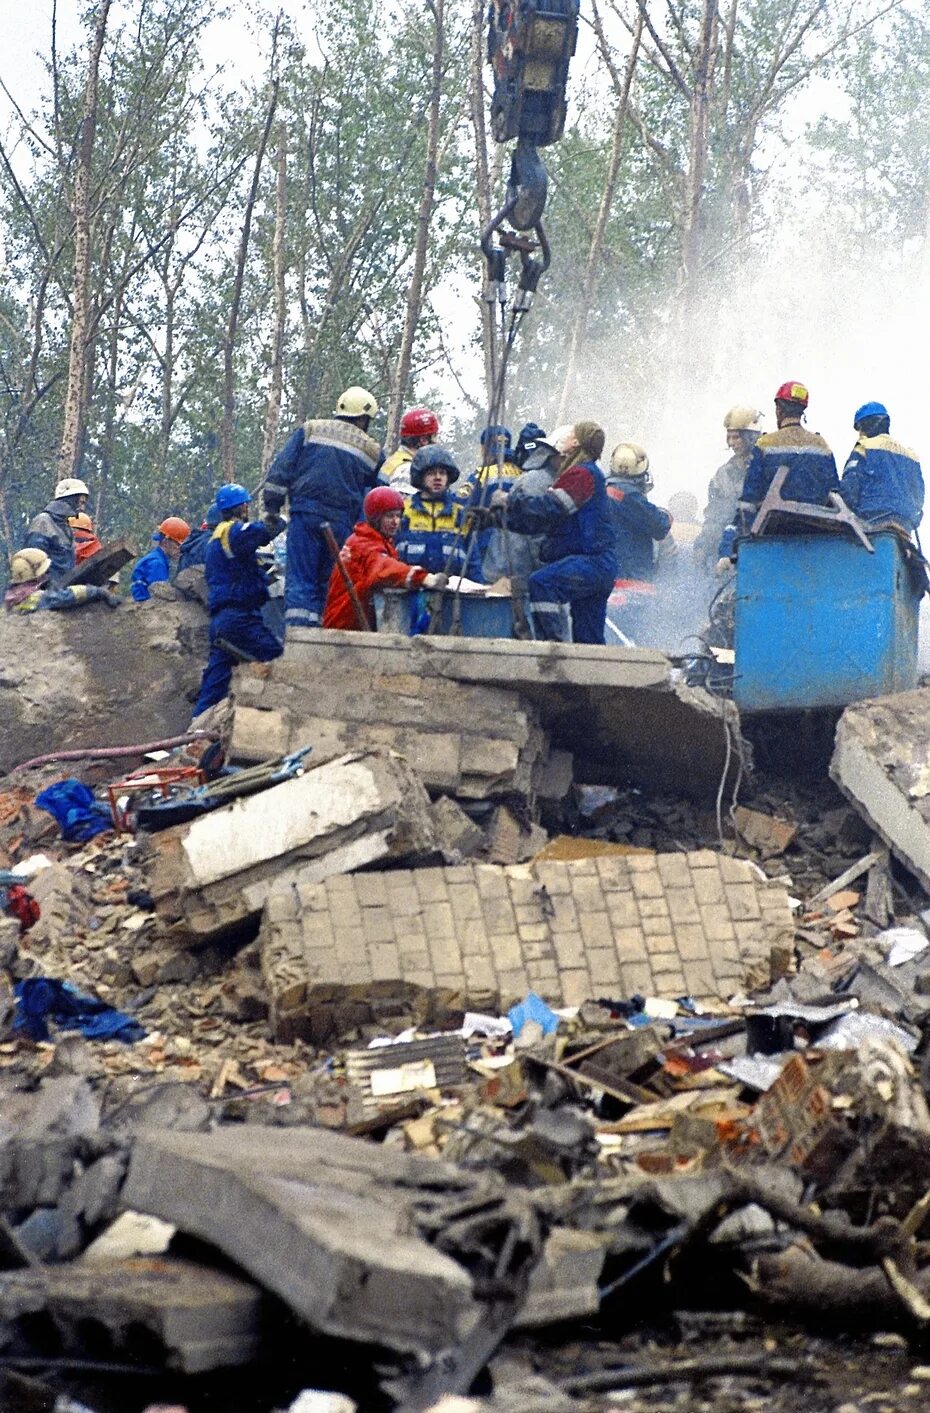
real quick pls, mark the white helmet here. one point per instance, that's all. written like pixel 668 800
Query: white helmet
pixel 629 459
pixel 356 402
pixel 742 419
pixel 563 438
pixel 70 486
pixel 27 565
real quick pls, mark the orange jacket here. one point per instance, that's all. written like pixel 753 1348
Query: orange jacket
pixel 372 563
pixel 85 541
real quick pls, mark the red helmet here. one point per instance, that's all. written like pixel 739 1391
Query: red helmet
pixel 380 501
pixel 419 422
pixel 793 392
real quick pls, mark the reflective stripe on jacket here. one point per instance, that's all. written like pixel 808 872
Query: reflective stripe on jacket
pixel 882 480
pixel 234 577
pixel 429 534
pixel 324 469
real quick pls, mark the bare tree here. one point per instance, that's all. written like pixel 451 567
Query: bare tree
pixel 273 406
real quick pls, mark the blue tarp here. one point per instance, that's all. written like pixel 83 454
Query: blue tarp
pixel 42 999
pixel 78 814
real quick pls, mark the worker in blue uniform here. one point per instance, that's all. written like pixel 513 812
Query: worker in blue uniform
pixel 882 480
pixel 493 547
pixel 431 532
pixel 155 567
pixel 638 527
pixel 324 471
pixel 579 561
pixel 811 467
pixel 237 592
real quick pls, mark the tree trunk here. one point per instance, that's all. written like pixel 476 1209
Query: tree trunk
pixel 424 221
pixel 698 138
pixel 75 397
pixel 595 250
pixel 273 409
pixel 483 189
pixel 227 429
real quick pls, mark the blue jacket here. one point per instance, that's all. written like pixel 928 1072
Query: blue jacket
pixel 49 531
pixel 325 469
pixel 234 577
pixel 152 568
pixel 429 534
pixel 811 474
pixel 577 524
pixel 882 481
pixel 637 524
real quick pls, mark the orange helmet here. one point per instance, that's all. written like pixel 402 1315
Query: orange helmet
pixel 793 392
pixel 81 521
pixel 174 528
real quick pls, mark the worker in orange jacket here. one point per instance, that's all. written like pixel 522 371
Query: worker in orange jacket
pixel 371 562
pixel 85 539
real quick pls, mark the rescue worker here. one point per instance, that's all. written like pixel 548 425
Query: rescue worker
pixel 194 548
pixel 85 541
pixel 371 562
pixel 494 548
pixel 28 592
pixel 51 530
pixel 882 480
pixel 155 567
pixel 811 467
pixel 431 530
pixel 530 436
pixel 638 526
pixel 323 471
pixel 579 561
pixel 419 427
pixel 540 469
pixel 497 470
pixel 742 428
pixel 237 592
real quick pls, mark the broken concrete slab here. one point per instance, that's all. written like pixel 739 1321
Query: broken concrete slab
pixel 651 924
pixel 215 873
pixel 564 1284
pixel 202 1318
pixel 881 762
pixel 622 711
pixel 324 1221
pixel 98 677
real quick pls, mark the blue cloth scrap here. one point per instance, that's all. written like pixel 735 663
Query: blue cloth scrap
pixel 78 815
pixel 42 999
pixel 532 1008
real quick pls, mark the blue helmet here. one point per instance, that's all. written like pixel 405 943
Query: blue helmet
pixel 491 435
pixel 870 409
pixel 229 496
pixel 432 458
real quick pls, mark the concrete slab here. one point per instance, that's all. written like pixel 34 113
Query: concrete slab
pixel 651 924
pixel 325 1221
pixel 881 762
pixel 215 872
pixel 202 1318
pixel 620 711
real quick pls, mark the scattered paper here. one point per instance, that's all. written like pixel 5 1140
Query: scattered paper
pixel 418 1074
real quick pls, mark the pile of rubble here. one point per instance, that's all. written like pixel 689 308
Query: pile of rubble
pixel 367 1069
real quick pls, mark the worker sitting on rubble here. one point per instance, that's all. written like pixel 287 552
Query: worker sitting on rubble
pixel 369 561
pixel 419 427
pixel 579 561
pixel 431 533
pixel 194 548
pixel 811 467
pixel 85 541
pixel 638 525
pixel 882 480
pixel 28 591
pixel 237 591
pixel 742 427
pixel 155 567
pixel 51 530
pixel 323 471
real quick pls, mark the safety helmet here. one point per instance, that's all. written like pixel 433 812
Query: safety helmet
pixel 419 422
pixel 81 521
pixel 431 458
pixel 174 528
pixel 29 564
pixel 793 392
pixel 231 495
pixel 564 439
pixel 742 418
pixel 70 486
pixel 379 502
pixel 492 435
pixel 629 460
pixel 870 409
pixel 683 505
pixel 356 402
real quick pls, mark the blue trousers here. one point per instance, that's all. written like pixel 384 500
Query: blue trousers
pixel 309 566
pixel 244 631
pixel 583 582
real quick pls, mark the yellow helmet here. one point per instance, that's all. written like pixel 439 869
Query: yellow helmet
pixel 742 419
pixel 29 564
pixel 356 402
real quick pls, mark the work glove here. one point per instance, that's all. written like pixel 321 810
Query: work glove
pixel 499 499
pixel 435 581
pixel 110 599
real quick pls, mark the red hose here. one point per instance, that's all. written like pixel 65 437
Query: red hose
pixel 114 752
